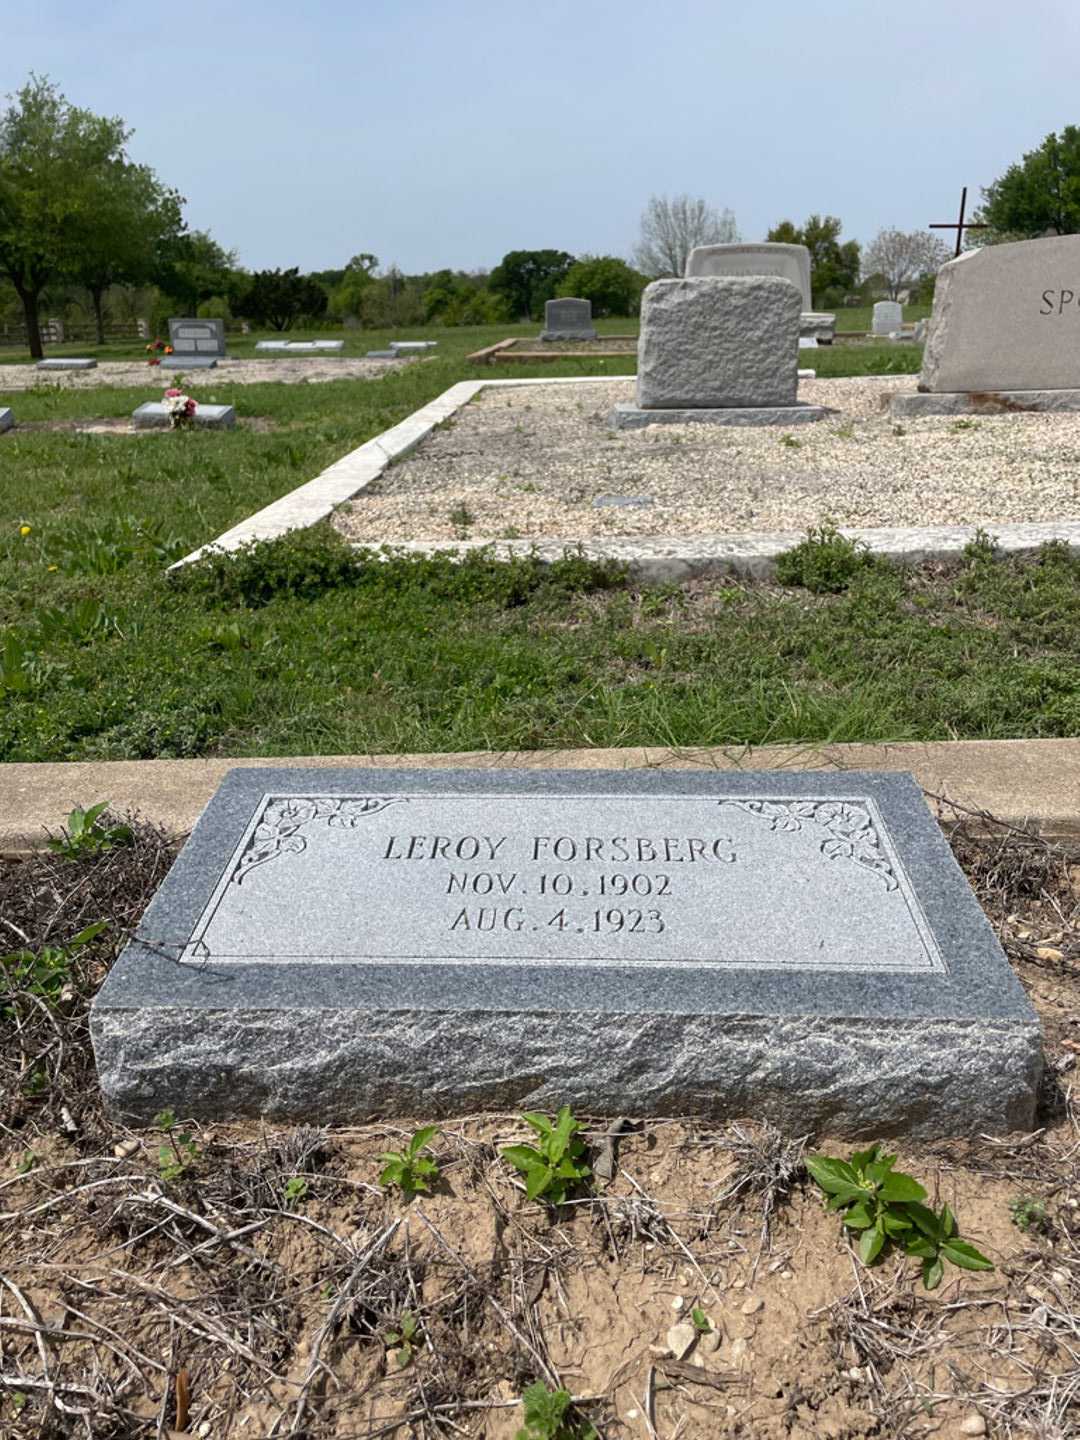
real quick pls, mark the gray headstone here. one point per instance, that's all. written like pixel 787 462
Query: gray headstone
pixel 888 316
pixel 1007 318
pixel 568 319
pixel 154 416
pixel 189 362
pixel 66 365
pixel 7 419
pixel 712 343
pixel 791 262
pixel 197 337
pixel 335 944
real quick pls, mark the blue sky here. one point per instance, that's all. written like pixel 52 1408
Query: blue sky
pixel 438 134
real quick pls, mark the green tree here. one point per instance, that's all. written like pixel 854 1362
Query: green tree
pixel 130 218
pixel 833 266
pixel 52 156
pixel 193 266
pixel 279 297
pixel 1040 194
pixel 610 283
pixel 348 295
pixel 527 279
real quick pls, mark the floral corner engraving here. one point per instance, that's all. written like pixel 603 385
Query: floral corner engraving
pixel 850 830
pixel 277 832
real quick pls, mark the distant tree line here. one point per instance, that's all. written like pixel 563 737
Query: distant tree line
pixel 85 232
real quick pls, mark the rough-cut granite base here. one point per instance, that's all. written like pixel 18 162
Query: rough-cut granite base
pixel 154 416
pixel 984 402
pixel 944 1045
pixel 634 417
pixel 7 420
pixel 818 325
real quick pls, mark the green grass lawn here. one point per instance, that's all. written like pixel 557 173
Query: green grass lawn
pixel 296 649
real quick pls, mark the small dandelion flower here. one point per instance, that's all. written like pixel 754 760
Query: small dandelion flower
pixel 24 530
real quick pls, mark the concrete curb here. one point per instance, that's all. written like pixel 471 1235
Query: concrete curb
pixel 1020 781
pixel 664 560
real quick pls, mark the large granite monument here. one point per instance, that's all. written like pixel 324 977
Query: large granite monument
pixel 338 944
pixel 718 350
pixel 1004 334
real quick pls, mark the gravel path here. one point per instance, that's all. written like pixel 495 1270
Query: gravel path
pixel 126 373
pixel 531 462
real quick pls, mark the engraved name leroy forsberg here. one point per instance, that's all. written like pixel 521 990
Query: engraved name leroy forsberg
pixel 708 881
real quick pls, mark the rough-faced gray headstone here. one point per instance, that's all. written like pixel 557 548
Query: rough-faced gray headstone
pixel 66 365
pixel 154 416
pixel 336 944
pixel 568 319
pixel 7 420
pixel 791 262
pixel 888 316
pixel 197 337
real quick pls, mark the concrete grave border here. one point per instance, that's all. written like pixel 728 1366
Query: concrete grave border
pixel 653 558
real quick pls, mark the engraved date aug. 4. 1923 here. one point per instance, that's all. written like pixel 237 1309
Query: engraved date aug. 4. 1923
pixel 602 921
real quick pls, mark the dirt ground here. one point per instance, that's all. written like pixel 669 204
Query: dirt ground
pixel 244 1281
pixel 277 370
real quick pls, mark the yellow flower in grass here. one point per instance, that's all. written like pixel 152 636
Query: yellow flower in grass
pixel 53 567
pixel 24 530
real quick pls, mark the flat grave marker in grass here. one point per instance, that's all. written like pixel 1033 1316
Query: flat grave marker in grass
pixel 7 419
pixel 65 364
pixel 155 416
pixel 335 944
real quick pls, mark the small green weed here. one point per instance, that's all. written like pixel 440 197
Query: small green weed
pixel 1030 1215
pixel 789 442
pixel 296 1191
pixel 21 671
pixel 546 1416
pixel 405 1339
pixel 408 1169
pixel 886 1207
pixel 554 1168
pixel 982 548
pixel 965 425
pixel 179 1152
pixel 700 1321
pixel 42 973
pixel 825 563
pixel 462 519
pixel 84 836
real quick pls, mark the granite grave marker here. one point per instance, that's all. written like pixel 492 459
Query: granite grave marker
pixel 197 344
pixel 1004 334
pixel 62 364
pixel 336 944
pixel 720 350
pixel 7 420
pixel 888 316
pixel 568 319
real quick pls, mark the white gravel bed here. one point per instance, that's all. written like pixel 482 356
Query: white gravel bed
pixel 530 462
pixel 126 373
